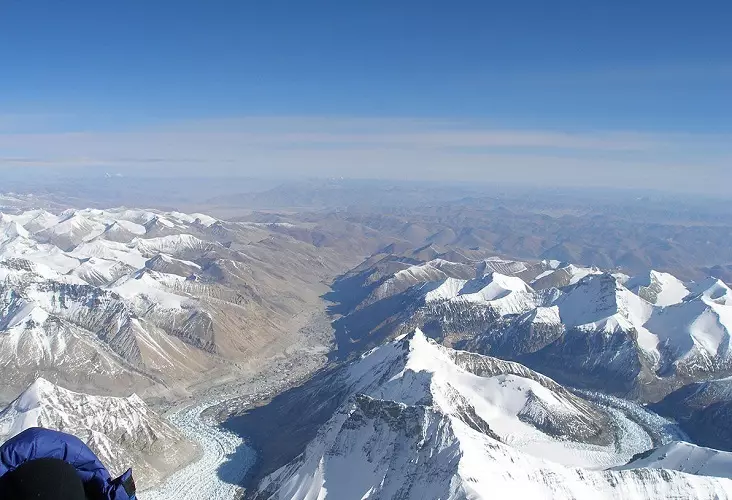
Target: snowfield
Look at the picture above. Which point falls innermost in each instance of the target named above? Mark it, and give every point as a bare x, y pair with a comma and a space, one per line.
686, 457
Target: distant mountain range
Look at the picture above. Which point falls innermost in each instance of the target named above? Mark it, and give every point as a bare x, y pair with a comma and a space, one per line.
652, 337
609, 229
127, 300
457, 373
640, 337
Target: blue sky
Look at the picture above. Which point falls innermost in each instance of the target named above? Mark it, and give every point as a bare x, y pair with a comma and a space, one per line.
479, 90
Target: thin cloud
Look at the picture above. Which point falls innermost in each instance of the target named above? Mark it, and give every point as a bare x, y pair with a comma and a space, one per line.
392, 148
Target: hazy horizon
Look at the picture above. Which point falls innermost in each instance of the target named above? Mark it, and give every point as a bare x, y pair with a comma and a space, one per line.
569, 96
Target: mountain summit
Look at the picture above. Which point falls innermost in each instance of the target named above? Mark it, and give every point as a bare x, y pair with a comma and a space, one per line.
427, 422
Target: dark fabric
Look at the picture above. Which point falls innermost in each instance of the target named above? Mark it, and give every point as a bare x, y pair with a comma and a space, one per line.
42, 479
36, 443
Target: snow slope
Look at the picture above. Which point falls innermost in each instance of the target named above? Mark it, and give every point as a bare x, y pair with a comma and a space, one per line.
646, 334
505, 294
685, 457
516, 404
661, 289
373, 448
121, 431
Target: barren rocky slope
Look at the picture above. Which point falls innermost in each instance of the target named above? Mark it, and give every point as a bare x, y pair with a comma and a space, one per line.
129, 300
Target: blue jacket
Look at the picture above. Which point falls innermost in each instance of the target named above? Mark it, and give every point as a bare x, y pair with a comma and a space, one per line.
37, 443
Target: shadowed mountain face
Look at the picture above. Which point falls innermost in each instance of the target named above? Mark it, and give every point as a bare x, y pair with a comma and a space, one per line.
413, 419
416, 370
704, 410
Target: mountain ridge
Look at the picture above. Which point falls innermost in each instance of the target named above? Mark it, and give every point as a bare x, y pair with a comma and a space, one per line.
123, 432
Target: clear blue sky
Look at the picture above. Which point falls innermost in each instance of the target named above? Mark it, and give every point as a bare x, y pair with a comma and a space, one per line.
578, 67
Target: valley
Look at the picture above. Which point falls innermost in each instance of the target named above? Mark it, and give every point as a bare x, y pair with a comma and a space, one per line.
277, 353
365, 250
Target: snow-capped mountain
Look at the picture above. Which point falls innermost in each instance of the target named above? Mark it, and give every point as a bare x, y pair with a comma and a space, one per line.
392, 275
505, 294
120, 300
123, 432
383, 449
651, 349
433, 270
423, 421
561, 276
661, 289
411, 378
640, 336
503, 399
414, 418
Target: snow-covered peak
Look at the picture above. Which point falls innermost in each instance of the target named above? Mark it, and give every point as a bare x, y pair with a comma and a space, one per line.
79, 225
175, 245
661, 289
701, 324
502, 266
146, 289
101, 272
676, 330
124, 227
10, 229
565, 275
44, 404
551, 263
122, 431
29, 405
503, 399
596, 298
82, 225
110, 250
497, 286
419, 273
164, 263
448, 289
505, 294
35, 220
194, 218
375, 447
